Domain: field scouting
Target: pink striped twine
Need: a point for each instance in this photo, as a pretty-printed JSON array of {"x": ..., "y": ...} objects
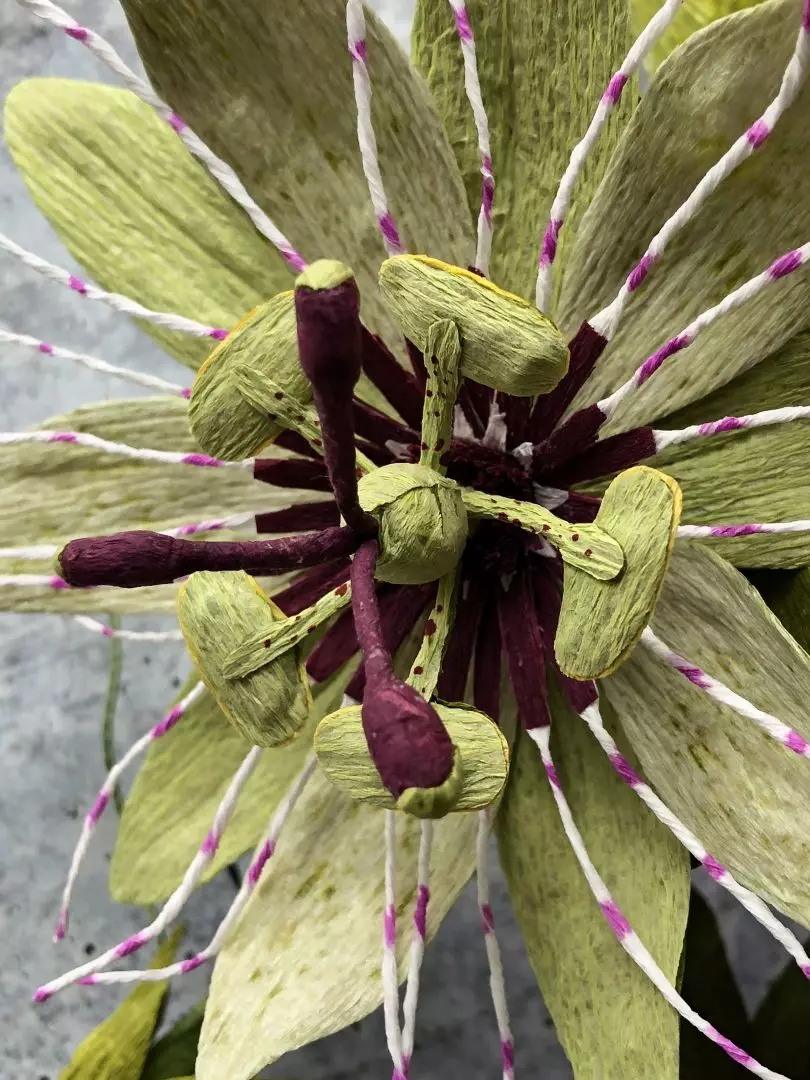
[
  {"x": 497, "y": 982},
  {"x": 760, "y": 910},
  {"x": 418, "y": 940},
  {"x": 264, "y": 853},
  {"x": 611, "y": 97},
  {"x": 721, "y": 693},
  {"x": 619, "y": 924},
  {"x": 390, "y": 972},
  {"x": 727, "y": 424},
  {"x": 93, "y": 442},
  {"x": 176, "y": 902},
  {"x": 472, "y": 85},
  {"x": 606, "y": 322},
  {"x": 356, "y": 29},
  {"x": 786, "y": 264}
]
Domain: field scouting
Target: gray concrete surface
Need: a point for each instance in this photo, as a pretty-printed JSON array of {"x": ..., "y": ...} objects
[{"x": 52, "y": 682}]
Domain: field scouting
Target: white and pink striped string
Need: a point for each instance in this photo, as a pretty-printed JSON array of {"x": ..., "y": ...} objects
[
  {"x": 93, "y": 442},
  {"x": 151, "y": 637},
  {"x": 626, "y": 936},
  {"x": 390, "y": 970},
  {"x": 358, "y": 50},
  {"x": 176, "y": 902},
  {"x": 772, "y": 726},
  {"x": 151, "y": 382},
  {"x": 418, "y": 939},
  {"x": 123, "y": 304},
  {"x": 611, "y": 97},
  {"x": 264, "y": 853},
  {"x": 472, "y": 87},
  {"x": 497, "y": 983},
  {"x": 221, "y": 172},
  {"x": 768, "y": 417},
  {"x": 100, "y": 803},
  {"x": 606, "y": 322},
  {"x": 720, "y": 873},
  {"x": 786, "y": 264}
]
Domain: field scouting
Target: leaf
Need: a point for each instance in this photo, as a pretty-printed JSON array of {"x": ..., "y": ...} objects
[
  {"x": 117, "y": 1048},
  {"x": 710, "y": 988},
  {"x": 50, "y": 494},
  {"x": 175, "y": 1053},
  {"x": 136, "y": 209},
  {"x": 780, "y": 1037},
  {"x": 702, "y": 99},
  {"x": 691, "y": 18},
  {"x": 269, "y": 88},
  {"x": 304, "y": 961},
  {"x": 542, "y": 68},
  {"x": 589, "y": 984},
  {"x": 178, "y": 789},
  {"x": 746, "y": 797}
]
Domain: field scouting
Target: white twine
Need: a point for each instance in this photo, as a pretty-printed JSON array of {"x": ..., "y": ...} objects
[{"x": 218, "y": 169}]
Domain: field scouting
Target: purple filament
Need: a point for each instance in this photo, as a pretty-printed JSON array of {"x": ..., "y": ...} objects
[{"x": 131, "y": 560}]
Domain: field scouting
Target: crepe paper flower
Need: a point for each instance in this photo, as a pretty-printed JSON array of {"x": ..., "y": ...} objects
[{"x": 603, "y": 418}]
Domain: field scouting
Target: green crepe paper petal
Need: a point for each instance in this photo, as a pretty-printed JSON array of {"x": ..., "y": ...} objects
[
  {"x": 710, "y": 988},
  {"x": 178, "y": 789},
  {"x": 759, "y": 475},
  {"x": 304, "y": 960},
  {"x": 136, "y": 209},
  {"x": 691, "y": 18},
  {"x": 542, "y": 67},
  {"x": 175, "y": 1053},
  {"x": 589, "y": 984},
  {"x": 746, "y": 797},
  {"x": 269, "y": 88},
  {"x": 780, "y": 1035},
  {"x": 50, "y": 494},
  {"x": 117, "y": 1048},
  {"x": 702, "y": 99}
]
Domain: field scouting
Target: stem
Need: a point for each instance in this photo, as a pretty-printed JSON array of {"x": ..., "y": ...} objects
[
  {"x": 442, "y": 359},
  {"x": 588, "y": 547},
  {"x": 111, "y": 704}
]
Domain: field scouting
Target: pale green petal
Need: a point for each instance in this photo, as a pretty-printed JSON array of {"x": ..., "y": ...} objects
[
  {"x": 117, "y": 1048},
  {"x": 543, "y": 67},
  {"x": 747, "y": 476},
  {"x": 175, "y": 1052},
  {"x": 304, "y": 960},
  {"x": 702, "y": 99},
  {"x": 177, "y": 791},
  {"x": 589, "y": 984},
  {"x": 691, "y": 17},
  {"x": 136, "y": 209},
  {"x": 745, "y": 796},
  {"x": 269, "y": 88},
  {"x": 50, "y": 494}
]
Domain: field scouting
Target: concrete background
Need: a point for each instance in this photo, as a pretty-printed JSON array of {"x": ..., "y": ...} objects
[{"x": 52, "y": 684}]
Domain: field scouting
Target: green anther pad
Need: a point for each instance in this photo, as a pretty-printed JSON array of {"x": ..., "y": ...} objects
[
  {"x": 482, "y": 754},
  {"x": 423, "y": 522},
  {"x": 601, "y": 621},
  {"x": 222, "y": 420},
  {"x": 507, "y": 343},
  {"x": 270, "y": 706}
]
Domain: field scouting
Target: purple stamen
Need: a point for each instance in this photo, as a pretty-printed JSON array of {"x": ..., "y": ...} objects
[
  {"x": 406, "y": 739},
  {"x": 132, "y": 560},
  {"x": 330, "y": 348},
  {"x": 585, "y": 348}
]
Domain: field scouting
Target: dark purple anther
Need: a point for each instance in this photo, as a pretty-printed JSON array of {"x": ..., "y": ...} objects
[
  {"x": 130, "y": 560},
  {"x": 406, "y": 739},
  {"x": 584, "y": 348},
  {"x": 330, "y": 345}
]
